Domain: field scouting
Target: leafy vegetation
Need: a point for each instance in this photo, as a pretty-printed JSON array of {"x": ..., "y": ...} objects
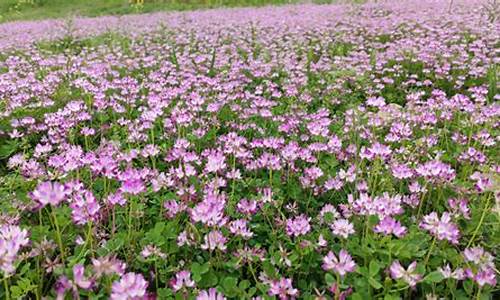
[{"x": 294, "y": 152}]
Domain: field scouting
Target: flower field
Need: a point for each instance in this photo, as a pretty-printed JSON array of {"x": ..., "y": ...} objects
[{"x": 292, "y": 152}]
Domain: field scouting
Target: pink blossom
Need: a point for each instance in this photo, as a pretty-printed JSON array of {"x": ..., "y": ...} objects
[
  {"x": 214, "y": 240},
  {"x": 342, "y": 228},
  {"x": 12, "y": 239},
  {"x": 407, "y": 275},
  {"x": 342, "y": 265},
  {"x": 85, "y": 208},
  {"x": 239, "y": 227},
  {"x": 49, "y": 193},
  {"x": 211, "y": 294},
  {"x": 79, "y": 277},
  {"x": 131, "y": 286},
  {"x": 389, "y": 226},
  {"x": 298, "y": 226},
  {"x": 182, "y": 279},
  {"x": 442, "y": 228},
  {"x": 283, "y": 289}
]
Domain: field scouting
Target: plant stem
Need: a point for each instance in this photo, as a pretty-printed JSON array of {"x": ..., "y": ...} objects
[
  {"x": 430, "y": 251},
  {"x": 422, "y": 201},
  {"x": 337, "y": 294},
  {"x": 90, "y": 239},
  {"x": 156, "y": 276},
  {"x": 6, "y": 287},
  {"x": 483, "y": 215},
  {"x": 113, "y": 222},
  {"x": 58, "y": 234}
]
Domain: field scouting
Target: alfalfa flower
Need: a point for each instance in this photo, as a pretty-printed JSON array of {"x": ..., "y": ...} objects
[
  {"x": 409, "y": 275},
  {"x": 131, "y": 286},
  {"x": 283, "y": 288},
  {"x": 214, "y": 240},
  {"x": 298, "y": 226},
  {"x": 85, "y": 208},
  {"x": 441, "y": 228},
  {"x": 389, "y": 225},
  {"x": 49, "y": 193},
  {"x": 342, "y": 228},
  {"x": 12, "y": 239},
  {"x": 342, "y": 264},
  {"x": 182, "y": 279},
  {"x": 211, "y": 294},
  {"x": 108, "y": 265}
]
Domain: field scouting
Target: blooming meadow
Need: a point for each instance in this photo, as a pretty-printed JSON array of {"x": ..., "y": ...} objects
[{"x": 295, "y": 152}]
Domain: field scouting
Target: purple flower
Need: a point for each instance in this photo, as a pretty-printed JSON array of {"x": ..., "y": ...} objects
[
  {"x": 211, "y": 294},
  {"x": 49, "y": 193},
  {"x": 61, "y": 286},
  {"x": 342, "y": 265},
  {"x": 239, "y": 227},
  {"x": 108, "y": 265},
  {"x": 407, "y": 275},
  {"x": 214, "y": 240},
  {"x": 483, "y": 276},
  {"x": 283, "y": 289},
  {"x": 458, "y": 274},
  {"x": 182, "y": 279},
  {"x": 436, "y": 171},
  {"x": 132, "y": 182},
  {"x": 131, "y": 286},
  {"x": 210, "y": 211},
  {"x": 377, "y": 150},
  {"x": 215, "y": 162},
  {"x": 442, "y": 229},
  {"x": 116, "y": 199},
  {"x": 389, "y": 226},
  {"x": 172, "y": 208},
  {"x": 152, "y": 250},
  {"x": 133, "y": 186},
  {"x": 375, "y": 101},
  {"x": 342, "y": 228},
  {"x": 479, "y": 257},
  {"x": 247, "y": 207},
  {"x": 12, "y": 239},
  {"x": 401, "y": 171},
  {"x": 79, "y": 277},
  {"x": 298, "y": 226},
  {"x": 328, "y": 211},
  {"x": 459, "y": 208},
  {"x": 85, "y": 208}
]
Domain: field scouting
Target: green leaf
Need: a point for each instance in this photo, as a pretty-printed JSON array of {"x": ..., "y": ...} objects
[
  {"x": 329, "y": 279},
  {"x": 208, "y": 279},
  {"x": 374, "y": 268},
  {"x": 8, "y": 148},
  {"x": 198, "y": 270},
  {"x": 374, "y": 283},
  {"x": 356, "y": 296},
  {"x": 269, "y": 269},
  {"x": 155, "y": 235},
  {"x": 164, "y": 293},
  {"x": 251, "y": 291},
  {"x": 244, "y": 284},
  {"x": 434, "y": 277},
  {"x": 230, "y": 285},
  {"x": 16, "y": 292}
]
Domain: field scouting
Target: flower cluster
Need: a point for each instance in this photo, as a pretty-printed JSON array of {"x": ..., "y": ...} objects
[
  {"x": 12, "y": 239},
  {"x": 301, "y": 151}
]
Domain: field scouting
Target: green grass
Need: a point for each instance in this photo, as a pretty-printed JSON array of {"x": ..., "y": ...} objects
[{"x": 12, "y": 10}]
